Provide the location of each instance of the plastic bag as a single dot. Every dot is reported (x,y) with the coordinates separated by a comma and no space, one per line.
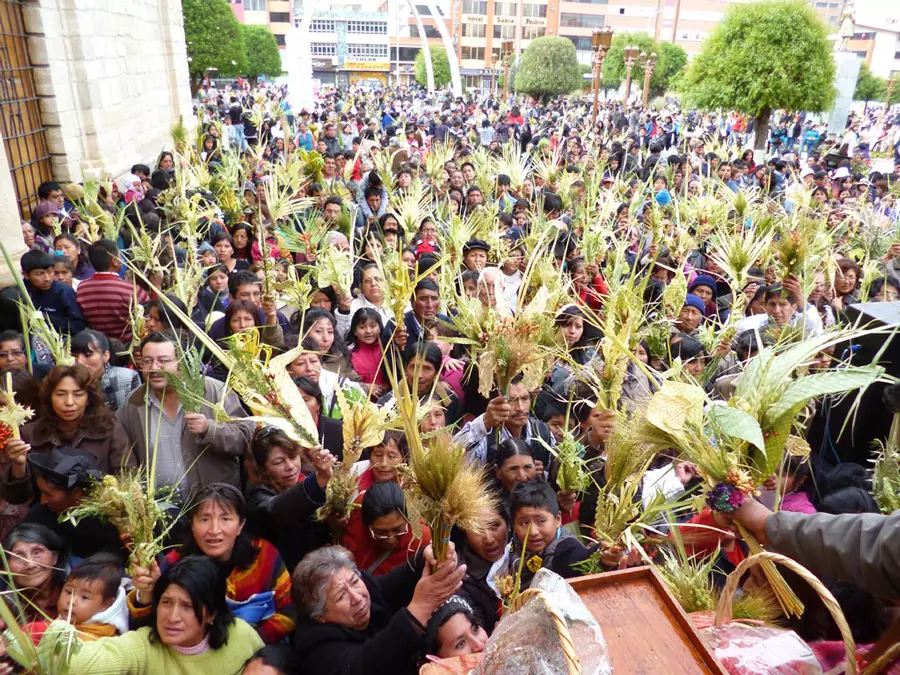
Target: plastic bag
(760,650)
(527,641)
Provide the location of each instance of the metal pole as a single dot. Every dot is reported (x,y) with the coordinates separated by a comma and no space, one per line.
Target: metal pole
(597,61)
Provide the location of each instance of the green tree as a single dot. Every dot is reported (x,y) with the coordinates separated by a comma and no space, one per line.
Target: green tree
(895,90)
(869,87)
(263,56)
(764,56)
(674,61)
(439,63)
(214,39)
(614,72)
(548,67)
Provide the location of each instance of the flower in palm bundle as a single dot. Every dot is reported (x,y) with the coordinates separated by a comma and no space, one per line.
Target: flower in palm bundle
(315,229)
(12,413)
(129,502)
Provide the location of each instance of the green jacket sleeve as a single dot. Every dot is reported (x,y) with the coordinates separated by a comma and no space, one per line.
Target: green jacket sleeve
(863,549)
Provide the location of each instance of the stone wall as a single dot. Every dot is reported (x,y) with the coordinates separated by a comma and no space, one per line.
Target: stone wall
(113,76)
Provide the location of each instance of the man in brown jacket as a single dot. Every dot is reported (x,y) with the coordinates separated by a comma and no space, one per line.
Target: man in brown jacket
(190,449)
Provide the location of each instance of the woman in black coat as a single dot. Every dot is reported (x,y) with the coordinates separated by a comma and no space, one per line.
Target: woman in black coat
(356,624)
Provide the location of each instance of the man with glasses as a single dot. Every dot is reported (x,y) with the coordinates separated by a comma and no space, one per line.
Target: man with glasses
(511,414)
(191,449)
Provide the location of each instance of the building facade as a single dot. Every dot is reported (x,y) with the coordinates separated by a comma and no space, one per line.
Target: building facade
(85,90)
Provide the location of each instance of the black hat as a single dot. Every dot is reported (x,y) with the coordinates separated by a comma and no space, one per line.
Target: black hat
(457,604)
(476,245)
(65,467)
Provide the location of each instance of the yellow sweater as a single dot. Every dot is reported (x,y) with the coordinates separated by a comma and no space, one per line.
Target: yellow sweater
(134,654)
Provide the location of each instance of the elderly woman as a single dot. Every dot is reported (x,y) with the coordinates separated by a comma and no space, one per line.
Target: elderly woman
(37,562)
(258,589)
(281,502)
(192,630)
(356,624)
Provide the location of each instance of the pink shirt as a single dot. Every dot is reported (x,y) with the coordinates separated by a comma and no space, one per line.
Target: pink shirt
(797,502)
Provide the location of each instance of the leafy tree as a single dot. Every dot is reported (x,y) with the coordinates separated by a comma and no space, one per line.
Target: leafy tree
(548,67)
(674,61)
(869,87)
(214,39)
(439,63)
(263,56)
(765,56)
(895,91)
(614,72)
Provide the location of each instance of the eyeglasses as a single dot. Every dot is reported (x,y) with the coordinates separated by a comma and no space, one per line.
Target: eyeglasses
(393,534)
(14,354)
(161,362)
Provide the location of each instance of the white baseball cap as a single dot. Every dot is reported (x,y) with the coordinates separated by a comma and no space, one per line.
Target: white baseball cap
(842,172)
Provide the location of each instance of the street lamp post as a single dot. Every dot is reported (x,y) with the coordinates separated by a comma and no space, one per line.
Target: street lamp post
(600,41)
(631,55)
(649,64)
(507,49)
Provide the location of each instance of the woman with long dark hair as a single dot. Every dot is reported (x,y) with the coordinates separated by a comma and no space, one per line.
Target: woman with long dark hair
(258,585)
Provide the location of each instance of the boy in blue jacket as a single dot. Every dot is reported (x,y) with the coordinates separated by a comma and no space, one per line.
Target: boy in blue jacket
(54,298)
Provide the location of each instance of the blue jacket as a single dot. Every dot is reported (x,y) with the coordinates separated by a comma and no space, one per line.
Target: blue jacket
(59,306)
(413,329)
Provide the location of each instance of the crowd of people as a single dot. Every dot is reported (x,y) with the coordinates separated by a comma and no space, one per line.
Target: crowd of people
(302,229)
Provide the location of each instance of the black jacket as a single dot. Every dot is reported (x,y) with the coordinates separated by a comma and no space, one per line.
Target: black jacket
(390,645)
(331,436)
(288,519)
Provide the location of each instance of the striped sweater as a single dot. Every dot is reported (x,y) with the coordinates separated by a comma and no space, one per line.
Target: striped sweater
(266,574)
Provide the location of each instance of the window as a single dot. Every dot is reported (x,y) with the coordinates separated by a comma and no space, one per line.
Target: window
(423,10)
(279,38)
(430,31)
(504,9)
(405,54)
(367,27)
(322,49)
(504,32)
(582,21)
(279,17)
(473,53)
(367,52)
(534,11)
(531,32)
(474,7)
(591,2)
(581,43)
(474,30)
(321,26)
(255,5)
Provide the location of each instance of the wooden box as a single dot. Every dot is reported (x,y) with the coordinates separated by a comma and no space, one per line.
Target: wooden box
(645,629)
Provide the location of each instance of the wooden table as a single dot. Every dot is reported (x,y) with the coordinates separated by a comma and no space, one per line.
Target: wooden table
(645,629)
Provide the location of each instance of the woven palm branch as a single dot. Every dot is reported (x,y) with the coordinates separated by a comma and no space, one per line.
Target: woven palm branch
(438,155)
(549,166)
(189,383)
(334,268)
(411,206)
(736,254)
(12,413)
(514,164)
(886,471)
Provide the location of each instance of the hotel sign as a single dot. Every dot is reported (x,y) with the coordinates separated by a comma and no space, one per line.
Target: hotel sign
(504,20)
(540,21)
(473,18)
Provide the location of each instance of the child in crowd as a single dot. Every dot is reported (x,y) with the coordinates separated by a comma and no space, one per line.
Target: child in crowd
(92,600)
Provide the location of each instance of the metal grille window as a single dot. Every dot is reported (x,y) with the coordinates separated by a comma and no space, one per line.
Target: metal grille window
(504,9)
(321,26)
(367,27)
(280,17)
(474,7)
(504,32)
(531,32)
(367,52)
(322,49)
(20,116)
(473,53)
(255,5)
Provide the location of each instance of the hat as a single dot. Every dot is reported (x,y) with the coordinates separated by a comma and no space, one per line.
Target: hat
(807,172)
(476,245)
(842,172)
(663,198)
(703,280)
(46,208)
(205,247)
(249,186)
(693,301)
(65,467)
